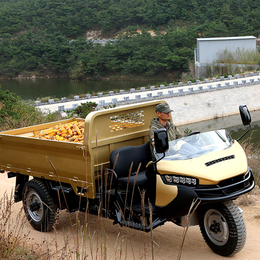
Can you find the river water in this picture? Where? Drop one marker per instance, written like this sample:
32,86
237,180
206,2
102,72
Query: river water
29,89
232,123
63,87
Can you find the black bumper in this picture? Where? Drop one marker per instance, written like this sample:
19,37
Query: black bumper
227,189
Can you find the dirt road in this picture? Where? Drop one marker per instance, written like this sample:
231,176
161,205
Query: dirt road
128,243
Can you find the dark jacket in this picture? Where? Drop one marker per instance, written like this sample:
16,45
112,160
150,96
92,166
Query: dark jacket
173,132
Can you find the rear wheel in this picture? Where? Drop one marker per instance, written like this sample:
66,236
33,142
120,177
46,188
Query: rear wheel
223,228
38,205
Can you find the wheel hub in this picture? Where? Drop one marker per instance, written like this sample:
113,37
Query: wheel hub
35,206
215,227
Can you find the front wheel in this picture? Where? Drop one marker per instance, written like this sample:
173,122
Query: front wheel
223,228
38,205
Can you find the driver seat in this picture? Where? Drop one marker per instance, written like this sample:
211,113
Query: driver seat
121,160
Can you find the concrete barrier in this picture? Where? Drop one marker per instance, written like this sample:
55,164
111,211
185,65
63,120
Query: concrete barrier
165,92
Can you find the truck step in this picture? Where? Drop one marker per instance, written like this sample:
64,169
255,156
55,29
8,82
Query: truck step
139,208
63,188
136,225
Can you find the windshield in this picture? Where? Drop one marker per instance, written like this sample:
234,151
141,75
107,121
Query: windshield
197,145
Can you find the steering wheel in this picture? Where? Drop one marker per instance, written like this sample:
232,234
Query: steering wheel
193,133
194,137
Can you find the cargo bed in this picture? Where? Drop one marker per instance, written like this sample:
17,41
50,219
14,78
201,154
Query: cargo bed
78,164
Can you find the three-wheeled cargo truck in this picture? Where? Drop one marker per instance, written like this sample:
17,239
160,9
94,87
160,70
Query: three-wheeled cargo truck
108,169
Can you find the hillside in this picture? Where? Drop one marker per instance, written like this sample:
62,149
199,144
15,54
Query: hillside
36,34
72,18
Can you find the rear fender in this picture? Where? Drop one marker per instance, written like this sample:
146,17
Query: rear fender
21,179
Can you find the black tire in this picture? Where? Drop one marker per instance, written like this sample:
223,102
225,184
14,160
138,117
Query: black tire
38,205
223,228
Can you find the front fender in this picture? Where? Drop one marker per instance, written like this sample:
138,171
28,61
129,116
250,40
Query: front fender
164,193
173,201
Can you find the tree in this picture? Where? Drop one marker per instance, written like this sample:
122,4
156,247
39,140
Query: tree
226,15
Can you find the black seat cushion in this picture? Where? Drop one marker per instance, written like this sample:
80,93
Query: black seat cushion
138,180
128,155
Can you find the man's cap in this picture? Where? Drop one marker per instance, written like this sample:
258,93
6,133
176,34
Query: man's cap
163,108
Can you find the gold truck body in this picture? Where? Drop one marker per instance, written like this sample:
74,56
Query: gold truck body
74,163
113,174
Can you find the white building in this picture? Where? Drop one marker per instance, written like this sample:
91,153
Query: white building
209,50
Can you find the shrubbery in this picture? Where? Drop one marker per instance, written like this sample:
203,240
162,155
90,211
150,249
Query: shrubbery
84,109
15,113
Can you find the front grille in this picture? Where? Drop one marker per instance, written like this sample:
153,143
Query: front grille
220,160
226,189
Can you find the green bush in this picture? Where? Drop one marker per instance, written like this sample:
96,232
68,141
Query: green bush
84,109
16,113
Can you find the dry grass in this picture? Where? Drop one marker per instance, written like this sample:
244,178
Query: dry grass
238,57
253,156
14,243
79,240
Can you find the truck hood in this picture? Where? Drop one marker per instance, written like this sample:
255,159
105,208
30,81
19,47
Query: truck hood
210,168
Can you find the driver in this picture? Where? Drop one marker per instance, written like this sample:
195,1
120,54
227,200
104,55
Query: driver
163,112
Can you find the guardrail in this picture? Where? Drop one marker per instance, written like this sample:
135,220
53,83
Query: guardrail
145,94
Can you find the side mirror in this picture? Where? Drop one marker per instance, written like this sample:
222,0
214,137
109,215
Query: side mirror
161,140
246,118
245,115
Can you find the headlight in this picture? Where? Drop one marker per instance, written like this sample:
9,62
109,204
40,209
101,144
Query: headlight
180,180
